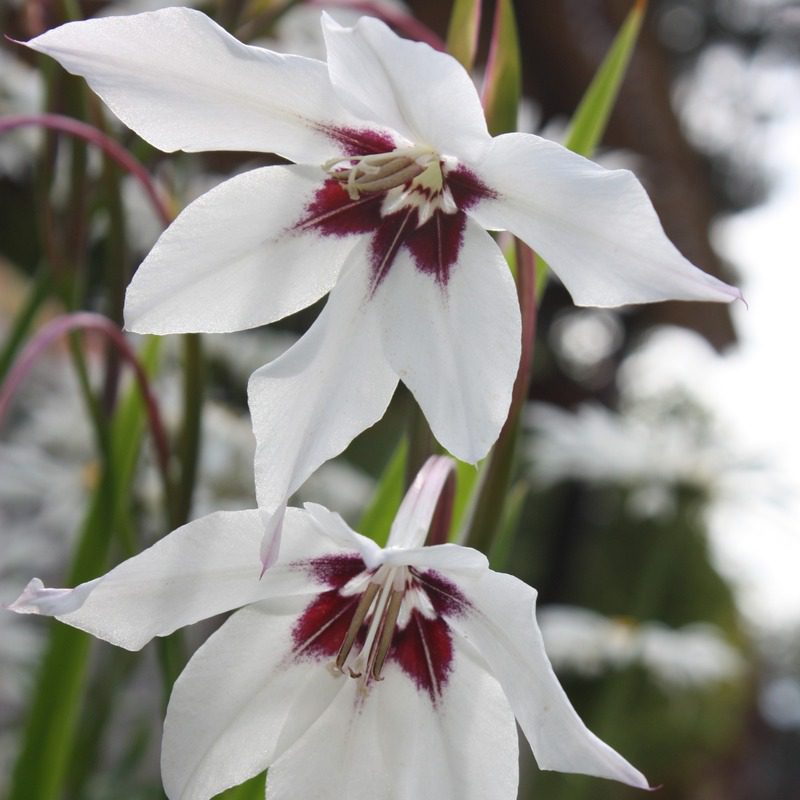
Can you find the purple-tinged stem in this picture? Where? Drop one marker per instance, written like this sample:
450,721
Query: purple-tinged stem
403,23
111,147
88,321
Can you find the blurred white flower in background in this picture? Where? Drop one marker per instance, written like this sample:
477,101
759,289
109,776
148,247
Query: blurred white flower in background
585,642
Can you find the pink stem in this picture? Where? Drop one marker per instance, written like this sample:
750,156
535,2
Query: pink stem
404,23
96,137
88,321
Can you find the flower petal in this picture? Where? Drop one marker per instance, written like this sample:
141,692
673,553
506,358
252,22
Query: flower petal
395,744
444,557
241,701
501,624
457,346
310,403
410,526
232,259
424,95
183,83
199,570
595,227
335,528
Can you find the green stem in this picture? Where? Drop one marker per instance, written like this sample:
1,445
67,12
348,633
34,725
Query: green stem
23,321
191,433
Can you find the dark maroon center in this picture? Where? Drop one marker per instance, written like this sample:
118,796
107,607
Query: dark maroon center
422,646
434,245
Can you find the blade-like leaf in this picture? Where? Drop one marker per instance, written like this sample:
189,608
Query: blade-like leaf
501,86
58,690
462,32
591,117
376,521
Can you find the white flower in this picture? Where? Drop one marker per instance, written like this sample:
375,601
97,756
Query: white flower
396,183
586,642
352,671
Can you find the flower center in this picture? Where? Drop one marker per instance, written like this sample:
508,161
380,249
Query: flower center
364,620
383,597
409,177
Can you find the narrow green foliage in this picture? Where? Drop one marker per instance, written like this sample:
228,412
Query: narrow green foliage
462,32
376,521
591,117
501,88
51,728
509,524
23,322
466,481
249,790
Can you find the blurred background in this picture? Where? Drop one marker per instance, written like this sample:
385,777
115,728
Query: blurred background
660,462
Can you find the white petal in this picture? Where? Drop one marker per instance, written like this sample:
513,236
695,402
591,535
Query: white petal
232,260
310,403
595,227
241,701
413,519
394,744
335,528
501,624
445,557
456,348
199,570
425,95
183,83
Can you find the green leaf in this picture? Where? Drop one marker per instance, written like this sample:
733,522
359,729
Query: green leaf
51,727
462,32
466,480
376,521
508,526
249,790
591,116
501,87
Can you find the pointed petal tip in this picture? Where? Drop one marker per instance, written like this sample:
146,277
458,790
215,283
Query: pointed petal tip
25,604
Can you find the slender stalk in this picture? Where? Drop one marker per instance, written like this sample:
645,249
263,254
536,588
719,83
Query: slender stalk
88,321
113,149
403,23
190,440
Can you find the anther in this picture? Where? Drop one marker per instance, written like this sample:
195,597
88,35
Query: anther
389,623
355,624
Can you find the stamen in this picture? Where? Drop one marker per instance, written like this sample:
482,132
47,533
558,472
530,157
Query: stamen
355,624
380,172
389,622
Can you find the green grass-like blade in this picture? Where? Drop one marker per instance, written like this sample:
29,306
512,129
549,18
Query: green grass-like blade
50,731
249,790
376,521
462,32
591,116
501,87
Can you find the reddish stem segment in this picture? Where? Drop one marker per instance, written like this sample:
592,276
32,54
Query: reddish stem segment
109,146
88,321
